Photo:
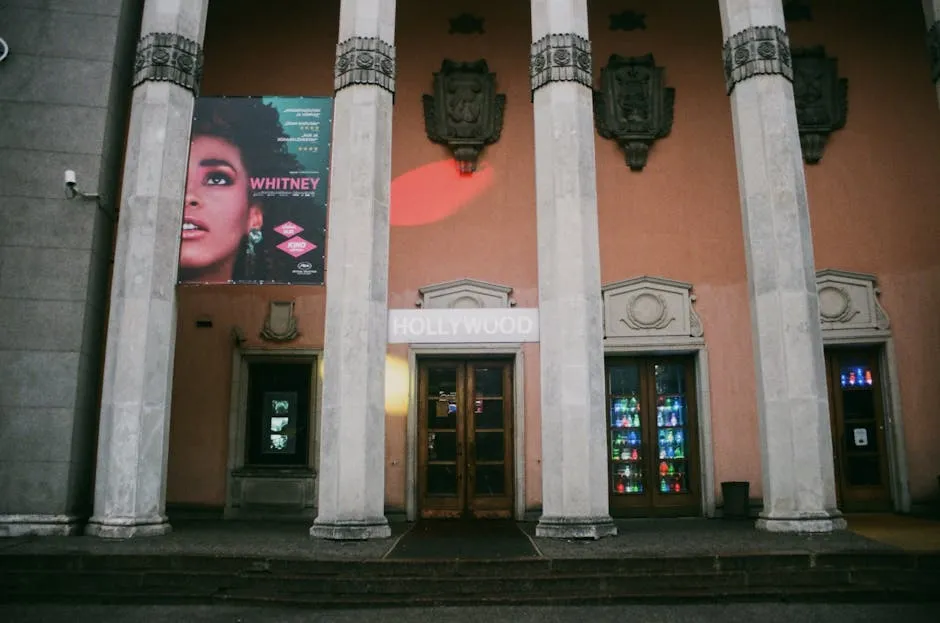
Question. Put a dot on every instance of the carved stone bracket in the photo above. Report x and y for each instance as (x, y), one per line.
(758, 50)
(560, 58)
(465, 112)
(848, 304)
(465, 294)
(651, 310)
(821, 99)
(933, 46)
(633, 107)
(281, 324)
(168, 57)
(365, 60)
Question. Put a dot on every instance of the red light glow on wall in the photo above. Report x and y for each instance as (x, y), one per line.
(434, 192)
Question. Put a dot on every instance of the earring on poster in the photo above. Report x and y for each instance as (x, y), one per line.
(254, 237)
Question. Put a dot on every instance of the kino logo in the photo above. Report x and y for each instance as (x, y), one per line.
(296, 246)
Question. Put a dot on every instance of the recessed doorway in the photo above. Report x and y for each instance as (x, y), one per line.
(465, 438)
(856, 408)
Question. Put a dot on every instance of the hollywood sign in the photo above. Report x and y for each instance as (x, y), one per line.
(462, 326)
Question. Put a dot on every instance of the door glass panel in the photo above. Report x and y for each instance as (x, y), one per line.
(488, 382)
(442, 480)
(490, 480)
(863, 471)
(488, 413)
(442, 441)
(671, 431)
(624, 423)
(490, 446)
(442, 446)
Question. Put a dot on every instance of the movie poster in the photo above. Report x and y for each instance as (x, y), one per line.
(256, 191)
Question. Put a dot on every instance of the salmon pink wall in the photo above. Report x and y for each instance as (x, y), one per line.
(680, 217)
(250, 49)
(874, 198)
(873, 204)
(492, 236)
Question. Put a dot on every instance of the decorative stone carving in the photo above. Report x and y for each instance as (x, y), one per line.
(466, 24)
(651, 310)
(633, 107)
(848, 304)
(169, 57)
(933, 46)
(797, 11)
(756, 51)
(627, 21)
(465, 294)
(560, 58)
(465, 112)
(821, 99)
(281, 324)
(365, 60)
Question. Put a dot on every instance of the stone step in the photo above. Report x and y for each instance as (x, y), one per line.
(204, 579)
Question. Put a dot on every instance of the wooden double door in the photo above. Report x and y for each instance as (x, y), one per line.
(856, 408)
(465, 438)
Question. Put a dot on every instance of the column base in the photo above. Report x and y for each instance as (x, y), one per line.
(806, 522)
(575, 527)
(39, 525)
(351, 529)
(127, 527)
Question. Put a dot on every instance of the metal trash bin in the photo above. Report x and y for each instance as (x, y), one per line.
(736, 496)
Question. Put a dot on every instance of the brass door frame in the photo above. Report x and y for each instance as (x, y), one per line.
(465, 502)
(858, 498)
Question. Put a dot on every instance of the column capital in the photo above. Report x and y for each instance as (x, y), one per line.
(933, 45)
(758, 50)
(560, 58)
(365, 60)
(168, 57)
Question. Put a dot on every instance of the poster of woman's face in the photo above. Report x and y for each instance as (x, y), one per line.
(254, 210)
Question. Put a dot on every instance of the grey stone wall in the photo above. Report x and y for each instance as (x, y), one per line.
(64, 95)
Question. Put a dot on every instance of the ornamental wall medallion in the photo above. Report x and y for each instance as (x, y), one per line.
(633, 107)
(465, 112)
(821, 99)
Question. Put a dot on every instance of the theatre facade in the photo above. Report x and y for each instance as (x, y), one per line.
(557, 261)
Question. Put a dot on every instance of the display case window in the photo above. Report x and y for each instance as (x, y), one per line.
(651, 431)
(280, 422)
(279, 400)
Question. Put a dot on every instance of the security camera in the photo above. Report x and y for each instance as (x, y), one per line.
(70, 183)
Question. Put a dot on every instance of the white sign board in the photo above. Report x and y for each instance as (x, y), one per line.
(861, 437)
(462, 326)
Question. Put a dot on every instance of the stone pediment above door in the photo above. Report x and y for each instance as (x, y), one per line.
(465, 294)
(848, 304)
(651, 310)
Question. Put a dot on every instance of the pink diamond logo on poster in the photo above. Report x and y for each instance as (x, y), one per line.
(288, 229)
(296, 246)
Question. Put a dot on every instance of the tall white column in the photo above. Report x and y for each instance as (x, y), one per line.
(574, 457)
(796, 441)
(130, 482)
(932, 16)
(352, 430)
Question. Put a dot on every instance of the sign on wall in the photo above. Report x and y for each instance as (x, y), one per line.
(256, 191)
(462, 326)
